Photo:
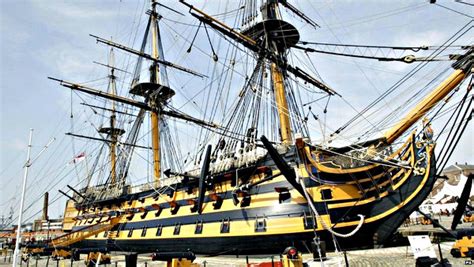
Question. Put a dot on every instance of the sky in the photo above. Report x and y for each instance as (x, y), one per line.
(39, 40)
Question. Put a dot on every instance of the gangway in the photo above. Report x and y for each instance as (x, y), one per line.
(58, 247)
(79, 235)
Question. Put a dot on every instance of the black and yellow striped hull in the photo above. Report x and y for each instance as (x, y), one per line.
(267, 223)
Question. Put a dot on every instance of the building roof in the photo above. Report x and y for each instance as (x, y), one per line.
(457, 168)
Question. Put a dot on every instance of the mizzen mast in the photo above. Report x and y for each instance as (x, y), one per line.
(112, 131)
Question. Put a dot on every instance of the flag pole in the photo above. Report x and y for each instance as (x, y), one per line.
(20, 217)
(28, 163)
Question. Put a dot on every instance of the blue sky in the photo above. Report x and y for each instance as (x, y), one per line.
(40, 40)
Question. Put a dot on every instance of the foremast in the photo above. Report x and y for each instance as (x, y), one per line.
(155, 101)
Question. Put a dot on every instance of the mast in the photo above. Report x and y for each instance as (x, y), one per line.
(282, 104)
(113, 136)
(270, 39)
(270, 12)
(463, 68)
(112, 131)
(154, 78)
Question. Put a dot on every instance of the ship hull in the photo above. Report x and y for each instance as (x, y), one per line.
(382, 218)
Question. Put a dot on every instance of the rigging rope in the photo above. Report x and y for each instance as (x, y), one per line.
(447, 43)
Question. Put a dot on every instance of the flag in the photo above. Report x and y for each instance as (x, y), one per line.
(78, 158)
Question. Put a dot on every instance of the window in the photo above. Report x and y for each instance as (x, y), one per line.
(198, 229)
(326, 194)
(144, 231)
(130, 232)
(308, 221)
(225, 226)
(177, 229)
(245, 202)
(260, 225)
(218, 204)
(159, 230)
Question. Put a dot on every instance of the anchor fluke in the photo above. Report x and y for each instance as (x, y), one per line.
(281, 164)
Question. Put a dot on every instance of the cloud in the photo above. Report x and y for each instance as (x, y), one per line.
(81, 10)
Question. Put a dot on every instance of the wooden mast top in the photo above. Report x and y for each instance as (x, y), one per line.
(112, 131)
(277, 41)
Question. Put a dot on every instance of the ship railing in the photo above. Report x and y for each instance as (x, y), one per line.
(100, 192)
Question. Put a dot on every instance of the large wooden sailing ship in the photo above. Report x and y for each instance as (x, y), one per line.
(248, 193)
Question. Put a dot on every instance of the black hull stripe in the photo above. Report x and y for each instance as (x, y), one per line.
(286, 210)
(261, 189)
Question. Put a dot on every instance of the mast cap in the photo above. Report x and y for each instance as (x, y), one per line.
(280, 31)
(158, 91)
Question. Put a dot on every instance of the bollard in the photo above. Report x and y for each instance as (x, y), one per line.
(72, 261)
(47, 261)
(57, 262)
(36, 261)
(146, 264)
(116, 263)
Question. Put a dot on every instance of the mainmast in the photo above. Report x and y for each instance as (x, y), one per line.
(113, 144)
(156, 94)
(270, 39)
(154, 78)
(276, 45)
